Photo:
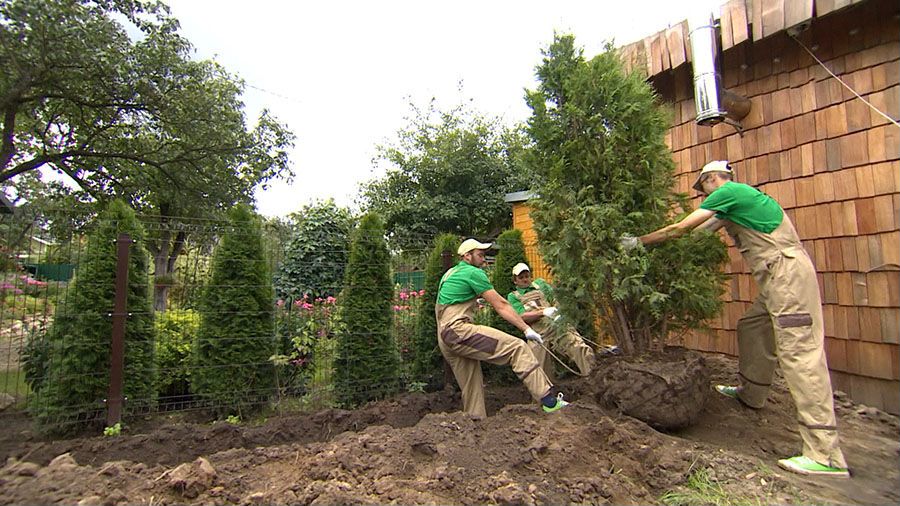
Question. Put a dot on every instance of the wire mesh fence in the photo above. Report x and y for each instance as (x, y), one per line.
(194, 338)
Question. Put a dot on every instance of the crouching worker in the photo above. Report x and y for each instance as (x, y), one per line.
(465, 345)
(531, 300)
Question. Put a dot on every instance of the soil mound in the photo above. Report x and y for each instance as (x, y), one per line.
(416, 449)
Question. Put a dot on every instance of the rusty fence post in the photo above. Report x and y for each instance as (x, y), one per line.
(446, 264)
(115, 400)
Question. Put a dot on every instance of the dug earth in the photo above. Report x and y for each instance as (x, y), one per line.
(417, 449)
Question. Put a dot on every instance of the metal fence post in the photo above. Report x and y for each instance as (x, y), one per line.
(114, 400)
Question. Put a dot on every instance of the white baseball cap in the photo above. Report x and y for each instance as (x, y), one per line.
(714, 166)
(470, 244)
(519, 268)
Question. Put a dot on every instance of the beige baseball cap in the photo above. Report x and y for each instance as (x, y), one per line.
(519, 268)
(470, 244)
(714, 166)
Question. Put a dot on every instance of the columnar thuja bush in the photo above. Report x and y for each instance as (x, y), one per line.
(231, 367)
(511, 251)
(427, 359)
(368, 363)
(69, 369)
(603, 170)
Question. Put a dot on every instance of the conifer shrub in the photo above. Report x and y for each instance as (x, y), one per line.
(511, 250)
(604, 169)
(69, 369)
(428, 363)
(231, 368)
(368, 362)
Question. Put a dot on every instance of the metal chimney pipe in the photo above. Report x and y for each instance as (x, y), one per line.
(707, 81)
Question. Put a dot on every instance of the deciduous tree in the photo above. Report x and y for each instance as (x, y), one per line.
(128, 114)
(447, 173)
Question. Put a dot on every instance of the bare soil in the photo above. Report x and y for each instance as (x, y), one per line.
(417, 449)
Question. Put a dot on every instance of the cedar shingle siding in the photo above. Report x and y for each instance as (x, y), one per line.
(832, 163)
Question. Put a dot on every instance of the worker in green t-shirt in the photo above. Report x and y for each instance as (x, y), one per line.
(532, 300)
(465, 345)
(784, 326)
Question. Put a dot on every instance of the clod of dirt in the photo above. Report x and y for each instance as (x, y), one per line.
(191, 479)
(668, 390)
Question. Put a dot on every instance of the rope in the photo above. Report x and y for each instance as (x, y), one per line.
(892, 120)
(560, 360)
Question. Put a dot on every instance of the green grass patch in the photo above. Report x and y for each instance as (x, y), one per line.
(701, 490)
(13, 383)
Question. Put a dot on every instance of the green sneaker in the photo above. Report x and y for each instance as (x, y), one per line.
(560, 403)
(804, 465)
(728, 391)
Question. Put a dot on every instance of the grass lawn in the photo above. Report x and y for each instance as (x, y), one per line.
(12, 382)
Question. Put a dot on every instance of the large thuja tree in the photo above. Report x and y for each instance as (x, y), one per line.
(604, 170)
(69, 368)
(231, 368)
(368, 364)
(427, 359)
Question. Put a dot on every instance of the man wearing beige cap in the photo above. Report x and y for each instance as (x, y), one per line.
(465, 345)
(784, 325)
(531, 299)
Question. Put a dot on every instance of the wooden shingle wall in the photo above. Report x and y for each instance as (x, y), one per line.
(522, 221)
(829, 160)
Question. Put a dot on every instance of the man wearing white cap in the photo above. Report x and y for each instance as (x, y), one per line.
(784, 325)
(465, 345)
(531, 300)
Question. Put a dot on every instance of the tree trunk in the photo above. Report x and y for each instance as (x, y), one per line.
(165, 253)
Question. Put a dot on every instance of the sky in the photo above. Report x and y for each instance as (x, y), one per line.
(341, 74)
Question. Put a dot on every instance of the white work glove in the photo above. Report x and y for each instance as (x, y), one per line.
(629, 242)
(551, 312)
(531, 335)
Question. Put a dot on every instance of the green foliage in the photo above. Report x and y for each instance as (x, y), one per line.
(315, 253)
(176, 331)
(605, 170)
(368, 363)
(427, 359)
(72, 378)
(300, 326)
(511, 251)
(113, 430)
(448, 173)
(109, 94)
(237, 333)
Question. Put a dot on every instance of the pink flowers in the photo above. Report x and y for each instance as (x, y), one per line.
(406, 295)
(33, 282)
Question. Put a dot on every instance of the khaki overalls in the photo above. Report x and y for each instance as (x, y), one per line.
(465, 345)
(560, 338)
(784, 326)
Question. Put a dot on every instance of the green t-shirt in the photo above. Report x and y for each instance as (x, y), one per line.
(537, 284)
(744, 205)
(462, 283)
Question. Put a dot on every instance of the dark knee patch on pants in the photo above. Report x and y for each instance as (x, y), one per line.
(786, 321)
(478, 342)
